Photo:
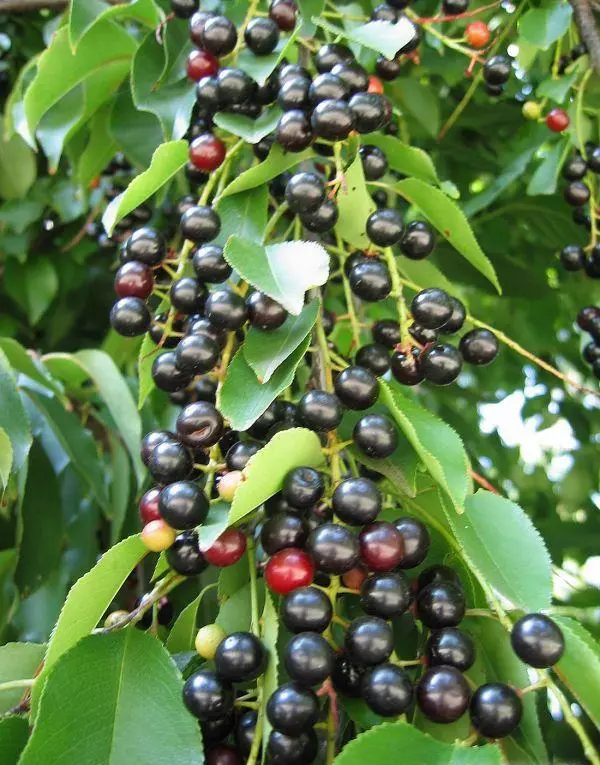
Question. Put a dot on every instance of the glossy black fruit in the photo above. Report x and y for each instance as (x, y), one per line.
(200, 425)
(145, 245)
(347, 677)
(240, 657)
(331, 54)
(239, 454)
(261, 36)
(264, 312)
(496, 710)
(188, 295)
(320, 410)
(357, 387)
(303, 487)
(170, 461)
(183, 505)
(217, 730)
(332, 119)
(456, 320)
(575, 168)
(369, 111)
(373, 357)
(151, 440)
(357, 501)
(200, 224)
(450, 647)
(370, 280)
(130, 317)
(441, 364)
(183, 9)
(294, 131)
(353, 75)
(283, 530)
(304, 192)
(591, 352)
(206, 696)
(202, 326)
(479, 346)
(496, 70)
(416, 541)
(386, 594)
(375, 435)
(210, 265)
(293, 708)
(387, 690)
(369, 640)
(384, 227)
(384, 12)
(309, 658)
(306, 609)
(418, 240)
(292, 750)
(454, 7)
(235, 87)
(327, 86)
(406, 367)
(537, 640)
(225, 309)
(184, 555)
(196, 354)
(436, 574)
(386, 332)
(322, 219)
(443, 694)
(283, 13)
(244, 732)
(219, 36)
(577, 193)
(431, 308)
(293, 93)
(422, 335)
(387, 69)
(441, 604)
(333, 548)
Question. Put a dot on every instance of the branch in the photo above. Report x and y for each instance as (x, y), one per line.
(24, 6)
(588, 31)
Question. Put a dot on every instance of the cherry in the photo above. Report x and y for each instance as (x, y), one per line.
(304, 192)
(185, 556)
(374, 85)
(322, 219)
(387, 69)
(357, 387)
(369, 640)
(262, 36)
(357, 501)
(496, 70)
(293, 93)
(306, 609)
(479, 347)
(441, 604)
(308, 658)
(218, 36)
(292, 70)
(303, 487)
(235, 87)
(283, 530)
(207, 101)
(577, 194)
(216, 730)
(158, 535)
(289, 569)
(385, 595)
(170, 461)
(346, 676)
(196, 354)
(129, 316)
(422, 335)
(134, 279)
(374, 162)
(187, 295)
(386, 332)
(406, 367)
(294, 131)
(454, 7)
(443, 694)
(292, 750)
(456, 320)
(373, 357)
(320, 410)
(369, 111)
(225, 309)
(537, 640)
(436, 574)
(148, 506)
(208, 639)
(204, 327)
(450, 647)
(431, 307)
(151, 440)
(207, 152)
(496, 710)
(477, 34)
(183, 9)
(240, 657)
(557, 120)
(183, 505)
(200, 224)
(265, 313)
(245, 730)
(594, 159)
(200, 424)
(327, 86)
(384, 227)
(384, 12)
(333, 548)
(381, 546)
(387, 690)
(283, 13)
(370, 280)
(145, 245)
(575, 168)
(293, 709)
(222, 754)
(591, 352)
(353, 75)
(227, 548)
(201, 64)
(417, 241)
(416, 541)
(331, 54)
(332, 119)
(441, 364)
(207, 696)
(587, 317)
(375, 436)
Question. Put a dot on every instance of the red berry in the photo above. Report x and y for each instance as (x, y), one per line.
(478, 34)
(557, 120)
(207, 152)
(134, 279)
(354, 578)
(226, 549)
(289, 569)
(201, 64)
(148, 506)
(381, 546)
(375, 85)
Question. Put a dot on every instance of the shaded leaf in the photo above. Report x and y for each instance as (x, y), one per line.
(252, 131)
(83, 16)
(183, 632)
(18, 661)
(13, 737)
(6, 458)
(235, 613)
(214, 525)
(355, 204)
(543, 26)
(17, 167)
(276, 163)
(545, 177)
(244, 215)
(579, 667)
(403, 158)
(13, 419)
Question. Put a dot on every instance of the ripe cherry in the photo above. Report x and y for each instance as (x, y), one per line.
(218, 36)
(207, 152)
(374, 357)
(406, 367)
(167, 375)
(306, 609)
(441, 604)
(210, 265)
(375, 435)
(572, 257)
(309, 658)
(416, 541)
(332, 119)
(289, 569)
(170, 461)
(387, 690)
(200, 424)
(357, 501)
(206, 696)
(384, 227)
(196, 354)
(496, 710)
(357, 387)
(292, 750)
(146, 245)
(293, 708)
(201, 64)
(557, 120)
(240, 454)
(245, 730)
(386, 332)
(436, 574)
(369, 640)
(479, 347)
(222, 754)
(441, 364)
(450, 647)
(261, 36)
(381, 546)
(418, 240)
(240, 657)
(370, 280)
(200, 224)
(184, 556)
(431, 308)
(294, 131)
(303, 487)
(225, 309)
(321, 220)
(130, 317)
(347, 677)
(158, 535)
(227, 549)
(443, 694)
(333, 548)
(320, 410)
(386, 595)
(282, 531)
(537, 640)
(183, 505)
(134, 279)
(477, 34)
(265, 313)
(214, 731)
(283, 13)
(331, 54)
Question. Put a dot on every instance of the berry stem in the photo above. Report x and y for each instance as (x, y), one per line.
(405, 339)
(274, 220)
(589, 750)
(254, 624)
(162, 588)
(448, 41)
(12, 685)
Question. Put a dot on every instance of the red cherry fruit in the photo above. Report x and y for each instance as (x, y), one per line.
(134, 279)
(381, 546)
(478, 34)
(226, 549)
(148, 506)
(201, 64)
(557, 120)
(207, 152)
(289, 569)
(375, 85)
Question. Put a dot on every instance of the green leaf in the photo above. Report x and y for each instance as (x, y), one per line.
(13, 418)
(270, 632)
(260, 67)
(276, 163)
(6, 458)
(437, 444)
(136, 133)
(505, 549)
(244, 215)
(579, 667)
(450, 221)
(380, 36)
(543, 26)
(425, 274)
(308, 9)
(83, 16)
(167, 160)
(242, 411)
(501, 664)
(41, 545)
(214, 525)
(18, 661)
(60, 122)
(233, 578)
(18, 214)
(382, 744)
(119, 697)
(252, 131)
(235, 613)
(13, 737)
(100, 148)
(59, 70)
(545, 177)
(148, 352)
(266, 351)
(557, 89)
(183, 632)
(419, 102)
(41, 287)
(403, 158)
(355, 204)
(284, 271)
(17, 167)
(266, 470)
(120, 487)
(77, 443)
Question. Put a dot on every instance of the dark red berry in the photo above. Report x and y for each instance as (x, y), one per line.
(227, 548)
(207, 152)
(381, 546)
(134, 279)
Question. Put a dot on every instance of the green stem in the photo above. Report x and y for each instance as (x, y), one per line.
(254, 625)
(274, 220)
(12, 685)
(400, 302)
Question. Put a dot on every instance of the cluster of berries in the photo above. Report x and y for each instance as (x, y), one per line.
(588, 319)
